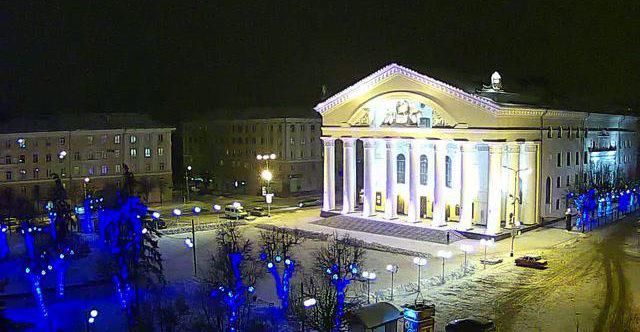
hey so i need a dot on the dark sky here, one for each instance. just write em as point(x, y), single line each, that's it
point(172, 59)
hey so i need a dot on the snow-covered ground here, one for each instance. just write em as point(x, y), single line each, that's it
point(592, 280)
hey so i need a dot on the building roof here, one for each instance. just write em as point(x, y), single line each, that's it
point(377, 314)
point(82, 121)
point(248, 113)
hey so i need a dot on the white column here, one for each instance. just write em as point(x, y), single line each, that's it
point(468, 187)
point(369, 205)
point(513, 160)
point(529, 160)
point(495, 188)
point(391, 195)
point(348, 175)
point(329, 185)
point(414, 179)
point(439, 187)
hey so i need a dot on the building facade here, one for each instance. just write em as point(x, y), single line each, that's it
point(432, 153)
point(224, 152)
point(88, 154)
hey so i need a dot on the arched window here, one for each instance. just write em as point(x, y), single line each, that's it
point(424, 167)
point(447, 171)
point(400, 163)
point(577, 158)
point(547, 194)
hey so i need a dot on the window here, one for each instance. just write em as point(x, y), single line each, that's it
point(76, 155)
point(585, 159)
point(161, 166)
point(160, 151)
point(23, 174)
point(116, 139)
point(89, 139)
point(118, 168)
point(35, 157)
point(36, 173)
point(568, 158)
point(447, 171)
point(423, 169)
point(160, 138)
point(559, 132)
point(133, 152)
point(90, 170)
point(103, 153)
point(400, 163)
point(577, 158)
point(292, 128)
point(22, 159)
point(133, 139)
point(559, 160)
point(7, 160)
point(47, 158)
point(558, 182)
point(567, 181)
point(76, 169)
point(104, 169)
point(558, 204)
point(116, 153)
point(547, 194)
point(103, 139)
point(61, 140)
point(147, 152)
point(8, 175)
point(550, 133)
point(575, 178)
point(312, 127)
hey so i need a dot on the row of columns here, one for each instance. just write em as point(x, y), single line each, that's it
point(517, 157)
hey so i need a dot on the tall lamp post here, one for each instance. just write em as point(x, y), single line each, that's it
point(186, 182)
point(368, 276)
point(196, 212)
point(91, 318)
point(267, 176)
point(85, 184)
point(308, 304)
point(237, 206)
point(517, 199)
point(155, 215)
point(393, 269)
point(444, 254)
point(419, 262)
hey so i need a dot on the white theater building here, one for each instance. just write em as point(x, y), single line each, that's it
point(403, 146)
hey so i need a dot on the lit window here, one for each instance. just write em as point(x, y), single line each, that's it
point(447, 171)
point(424, 167)
point(116, 139)
point(147, 152)
point(133, 152)
point(160, 151)
point(89, 139)
point(116, 153)
point(118, 168)
point(90, 170)
point(61, 140)
point(400, 164)
point(133, 139)
point(104, 169)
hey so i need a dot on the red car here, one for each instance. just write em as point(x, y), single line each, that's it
point(533, 261)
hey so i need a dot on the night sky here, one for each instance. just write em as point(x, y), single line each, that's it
point(175, 59)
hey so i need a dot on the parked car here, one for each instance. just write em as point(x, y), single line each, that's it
point(470, 324)
point(309, 202)
point(258, 211)
point(235, 213)
point(533, 261)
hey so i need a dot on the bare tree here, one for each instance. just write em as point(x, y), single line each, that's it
point(338, 262)
point(276, 251)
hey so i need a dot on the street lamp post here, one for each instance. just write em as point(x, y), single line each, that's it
point(155, 216)
point(485, 244)
point(186, 182)
point(90, 319)
point(444, 254)
point(237, 206)
point(368, 276)
point(517, 199)
point(267, 176)
point(393, 269)
point(308, 304)
point(466, 248)
point(196, 212)
point(419, 262)
point(85, 184)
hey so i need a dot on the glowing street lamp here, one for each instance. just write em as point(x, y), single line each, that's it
point(91, 318)
point(62, 154)
point(155, 215)
point(186, 182)
point(368, 276)
point(267, 176)
point(237, 206)
point(444, 254)
point(393, 269)
point(419, 262)
point(467, 248)
point(486, 243)
point(308, 304)
point(177, 212)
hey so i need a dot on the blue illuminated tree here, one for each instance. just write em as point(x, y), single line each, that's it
point(233, 272)
point(4, 243)
point(35, 271)
point(276, 245)
point(133, 243)
point(340, 261)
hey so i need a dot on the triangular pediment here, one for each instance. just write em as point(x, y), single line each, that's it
point(394, 70)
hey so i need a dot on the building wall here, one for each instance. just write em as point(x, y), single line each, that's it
point(96, 154)
point(226, 151)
